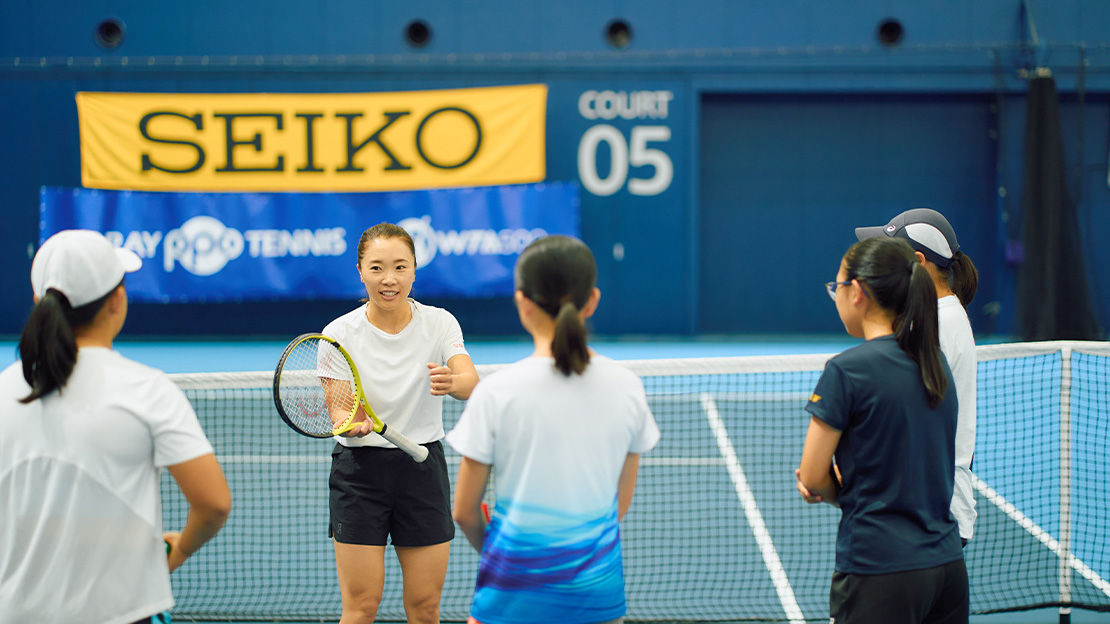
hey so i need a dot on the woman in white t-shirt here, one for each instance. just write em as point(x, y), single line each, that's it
point(564, 429)
point(84, 434)
point(956, 280)
point(409, 356)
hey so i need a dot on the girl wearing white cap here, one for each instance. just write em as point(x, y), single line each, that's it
point(956, 280)
point(84, 433)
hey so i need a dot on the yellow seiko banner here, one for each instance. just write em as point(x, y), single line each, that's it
point(312, 142)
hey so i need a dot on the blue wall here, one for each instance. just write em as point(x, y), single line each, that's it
point(767, 126)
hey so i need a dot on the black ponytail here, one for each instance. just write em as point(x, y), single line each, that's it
point(569, 346)
point(963, 278)
point(48, 345)
point(902, 286)
point(558, 274)
point(918, 332)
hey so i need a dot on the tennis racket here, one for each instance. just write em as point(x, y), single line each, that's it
point(317, 392)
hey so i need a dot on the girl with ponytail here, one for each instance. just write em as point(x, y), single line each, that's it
point(558, 277)
point(956, 280)
point(565, 429)
point(885, 411)
point(84, 434)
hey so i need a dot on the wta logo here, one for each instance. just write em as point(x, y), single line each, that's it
point(431, 242)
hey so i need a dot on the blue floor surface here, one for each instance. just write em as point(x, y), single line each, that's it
point(224, 356)
point(198, 356)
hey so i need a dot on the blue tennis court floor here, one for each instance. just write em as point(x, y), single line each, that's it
point(208, 356)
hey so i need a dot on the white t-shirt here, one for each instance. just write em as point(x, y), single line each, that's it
point(80, 505)
point(393, 369)
point(557, 445)
point(957, 342)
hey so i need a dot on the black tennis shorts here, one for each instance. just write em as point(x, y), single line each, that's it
point(931, 596)
point(379, 492)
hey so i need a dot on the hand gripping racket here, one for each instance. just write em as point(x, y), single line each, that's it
point(317, 392)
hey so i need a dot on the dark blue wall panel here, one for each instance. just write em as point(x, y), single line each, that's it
point(280, 27)
point(785, 180)
point(809, 125)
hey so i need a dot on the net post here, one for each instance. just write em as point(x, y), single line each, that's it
point(1065, 483)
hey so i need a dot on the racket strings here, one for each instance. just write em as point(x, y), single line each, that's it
point(315, 387)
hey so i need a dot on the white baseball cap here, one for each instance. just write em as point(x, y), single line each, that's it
point(82, 265)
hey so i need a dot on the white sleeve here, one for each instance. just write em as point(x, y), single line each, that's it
point(957, 343)
point(472, 436)
point(177, 434)
point(451, 341)
point(648, 435)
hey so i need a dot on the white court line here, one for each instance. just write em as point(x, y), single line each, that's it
point(1027, 523)
point(751, 511)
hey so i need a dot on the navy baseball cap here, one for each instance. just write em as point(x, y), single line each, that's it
point(925, 229)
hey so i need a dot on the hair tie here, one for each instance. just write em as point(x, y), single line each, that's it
point(910, 265)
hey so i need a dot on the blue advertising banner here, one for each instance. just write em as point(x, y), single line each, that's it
point(200, 247)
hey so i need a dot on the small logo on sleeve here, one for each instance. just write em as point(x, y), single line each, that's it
point(813, 398)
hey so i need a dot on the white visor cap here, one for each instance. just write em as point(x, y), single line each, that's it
point(81, 264)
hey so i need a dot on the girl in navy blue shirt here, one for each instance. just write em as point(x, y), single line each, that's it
point(887, 413)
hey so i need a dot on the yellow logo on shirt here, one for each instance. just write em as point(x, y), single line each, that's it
point(813, 398)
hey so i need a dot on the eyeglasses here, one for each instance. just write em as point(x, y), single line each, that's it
point(831, 288)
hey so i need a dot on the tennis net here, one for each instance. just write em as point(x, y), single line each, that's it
point(717, 531)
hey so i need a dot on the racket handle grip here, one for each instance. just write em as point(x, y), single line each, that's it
point(419, 453)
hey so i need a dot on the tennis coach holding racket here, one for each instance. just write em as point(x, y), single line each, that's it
point(409, 356)
point(84, 433)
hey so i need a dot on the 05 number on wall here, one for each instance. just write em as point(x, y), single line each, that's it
point(622, 155)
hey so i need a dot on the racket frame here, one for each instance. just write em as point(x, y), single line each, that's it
point(416, 451)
